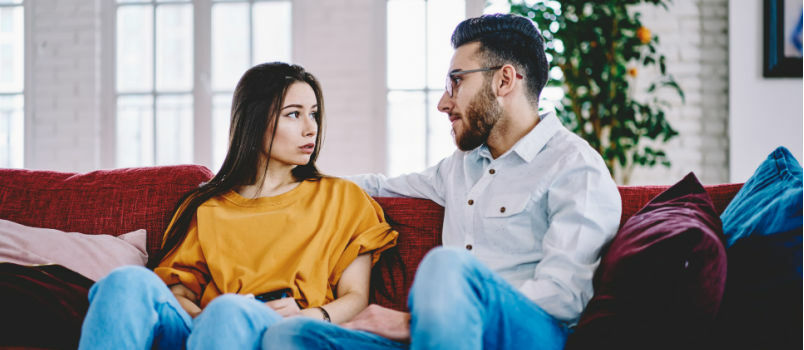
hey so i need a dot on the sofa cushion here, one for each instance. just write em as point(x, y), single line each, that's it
point(93, 256)
point(635, 197)
point(43, 306)
point(660, 282)
point(769, 202)
point(762, 302)
point(100, 202)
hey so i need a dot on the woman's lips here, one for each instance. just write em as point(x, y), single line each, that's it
point(308, 148)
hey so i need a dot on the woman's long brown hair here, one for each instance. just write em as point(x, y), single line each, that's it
point(256, 105)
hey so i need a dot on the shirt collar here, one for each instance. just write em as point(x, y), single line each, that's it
point(532, 143)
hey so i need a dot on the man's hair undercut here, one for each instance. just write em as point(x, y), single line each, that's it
point(508, 39)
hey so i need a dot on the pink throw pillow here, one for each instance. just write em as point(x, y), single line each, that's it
point(93, 256)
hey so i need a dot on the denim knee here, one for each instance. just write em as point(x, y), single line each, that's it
point(128, 280)
point(291, 333)
point(228, 305)
point(443, 262)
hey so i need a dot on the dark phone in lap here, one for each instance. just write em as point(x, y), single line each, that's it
point(277, 294)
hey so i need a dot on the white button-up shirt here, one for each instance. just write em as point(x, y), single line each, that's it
point(538, 215)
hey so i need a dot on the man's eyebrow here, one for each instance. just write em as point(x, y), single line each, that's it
point(298, 106)
point(455, 70)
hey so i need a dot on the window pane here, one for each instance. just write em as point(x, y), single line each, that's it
point(174, 130)
point(441, 143)
point(135, 131)
point(174, 47)
point(221, 106)
point(10, 1)
point(11, 49)
point(406, 132)
point(134, 48)
point(442, 18)
point(230, 48)
point(406, 36)
point(272, 31)
point(12, 130)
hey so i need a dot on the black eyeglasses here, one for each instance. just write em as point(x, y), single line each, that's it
point(453, 79)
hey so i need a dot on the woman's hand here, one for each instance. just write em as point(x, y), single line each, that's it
point(186, 299)
point(285, 307)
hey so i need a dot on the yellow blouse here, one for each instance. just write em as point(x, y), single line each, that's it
point(302, 239)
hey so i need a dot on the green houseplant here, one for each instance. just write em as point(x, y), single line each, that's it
point(600, 46)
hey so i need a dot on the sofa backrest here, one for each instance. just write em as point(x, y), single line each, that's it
point(419, 222)
point(100, 202)
point(635, 197)
point(123, 200)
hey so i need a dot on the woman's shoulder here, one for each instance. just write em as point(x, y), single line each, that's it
point(338, 182)
point(343, 187)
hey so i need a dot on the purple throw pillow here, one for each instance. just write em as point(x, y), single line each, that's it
point(660, 282)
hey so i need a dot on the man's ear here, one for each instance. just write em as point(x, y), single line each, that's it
point(507, 80)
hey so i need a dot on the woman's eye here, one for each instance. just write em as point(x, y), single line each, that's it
point(314, 115)
point(293, 114)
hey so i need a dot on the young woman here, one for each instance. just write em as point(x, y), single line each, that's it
point(267, 238)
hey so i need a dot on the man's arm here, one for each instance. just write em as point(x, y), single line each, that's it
point(584, 210)
point(428, 184)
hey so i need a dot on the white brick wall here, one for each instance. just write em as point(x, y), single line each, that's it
point(693, 35)
point(63, 92)
point(343, 43)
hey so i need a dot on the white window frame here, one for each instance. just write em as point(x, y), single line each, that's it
point(201, 91)
point(473, 8)
point(27, 18)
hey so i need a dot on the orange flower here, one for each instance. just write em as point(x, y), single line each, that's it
point(632, 72)
point(643, 34)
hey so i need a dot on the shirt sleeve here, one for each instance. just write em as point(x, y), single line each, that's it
point(186, 264)
point(428, 184)
point(584, 210)
point(373, 235)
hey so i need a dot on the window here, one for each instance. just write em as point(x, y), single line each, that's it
point(158, 69)
point(12, 68)
point(244, 33)
point(419, 52)
point(154, 83)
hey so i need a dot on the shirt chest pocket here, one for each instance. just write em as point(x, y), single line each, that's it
point(508, 205)
point(508, 224)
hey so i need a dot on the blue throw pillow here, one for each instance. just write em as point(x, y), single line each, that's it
point(769, 202)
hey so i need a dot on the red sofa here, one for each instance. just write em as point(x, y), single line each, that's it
point(122, 200)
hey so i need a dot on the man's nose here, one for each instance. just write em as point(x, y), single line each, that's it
point(445, 103)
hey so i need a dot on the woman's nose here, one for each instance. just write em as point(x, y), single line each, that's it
point(310, 127)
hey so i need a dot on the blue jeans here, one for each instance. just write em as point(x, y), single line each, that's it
point(132, 308)
point(456, 303)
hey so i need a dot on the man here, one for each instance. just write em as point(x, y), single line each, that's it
point(528, 206)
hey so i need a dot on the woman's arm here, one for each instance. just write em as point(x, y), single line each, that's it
point(186, 299)
point(353, 292)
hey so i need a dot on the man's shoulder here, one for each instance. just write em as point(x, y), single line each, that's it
point(573, 147)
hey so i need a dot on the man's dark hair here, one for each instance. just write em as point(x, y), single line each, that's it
point(508, 39)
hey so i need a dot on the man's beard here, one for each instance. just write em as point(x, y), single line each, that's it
point(481, 116)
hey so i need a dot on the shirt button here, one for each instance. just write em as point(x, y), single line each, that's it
point(491, 171)
point(502, 210)
point(468, 247)
point(471, 202)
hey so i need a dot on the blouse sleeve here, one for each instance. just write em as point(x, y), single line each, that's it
point(373, 235)
point(186, 264)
